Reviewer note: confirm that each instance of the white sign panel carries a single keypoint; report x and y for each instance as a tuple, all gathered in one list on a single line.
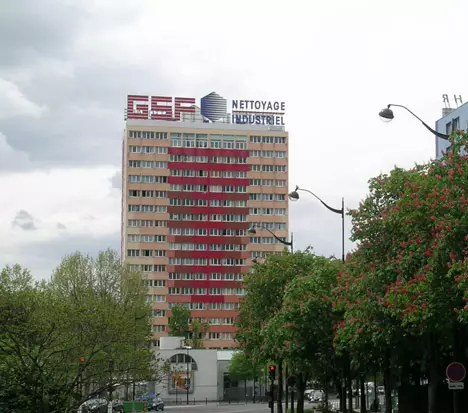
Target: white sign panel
[(456, 385)]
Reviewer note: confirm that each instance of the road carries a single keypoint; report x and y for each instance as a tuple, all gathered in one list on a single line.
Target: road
[(222, 408)]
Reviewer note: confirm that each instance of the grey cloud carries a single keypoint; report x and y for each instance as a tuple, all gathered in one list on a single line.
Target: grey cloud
[(42, 258), (61, 226), (30, 29), (24, 220), (84, 121), (116, 180)]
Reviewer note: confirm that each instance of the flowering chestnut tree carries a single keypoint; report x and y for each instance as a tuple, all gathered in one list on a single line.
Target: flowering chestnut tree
[(407, 281)]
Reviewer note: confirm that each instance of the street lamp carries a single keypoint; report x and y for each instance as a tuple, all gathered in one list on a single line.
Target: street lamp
[(294, 196), (253, 231), (386, 115), (187, 376)]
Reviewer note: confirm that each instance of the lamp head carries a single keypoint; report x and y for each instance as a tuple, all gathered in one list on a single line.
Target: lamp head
[(252, 230), (386, 115), (294, 195)]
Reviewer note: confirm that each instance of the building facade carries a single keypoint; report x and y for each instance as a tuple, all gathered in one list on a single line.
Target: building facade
[(191, 190), (452, 119)]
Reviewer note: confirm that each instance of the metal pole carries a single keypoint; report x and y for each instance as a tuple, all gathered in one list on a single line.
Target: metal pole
[(187, 379), (342, 230)]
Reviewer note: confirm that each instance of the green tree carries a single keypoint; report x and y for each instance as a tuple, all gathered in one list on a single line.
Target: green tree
[(74, 336), (243, 367), (179, 321), (301, 332), (198, 330), (402, 290)]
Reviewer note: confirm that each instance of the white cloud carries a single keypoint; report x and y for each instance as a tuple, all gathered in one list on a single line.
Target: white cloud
[(13, 103), (62, 203), (336, 64)]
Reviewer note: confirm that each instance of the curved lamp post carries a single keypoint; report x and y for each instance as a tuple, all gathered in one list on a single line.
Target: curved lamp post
[(294, 196), (386, 115), (253, 231)]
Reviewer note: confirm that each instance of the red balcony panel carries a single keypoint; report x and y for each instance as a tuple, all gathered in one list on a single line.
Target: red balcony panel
[(207, 254), (207, 210), (186, 180), (178, 298), (237, 153), (207, 299), (222, 328), (203, 284), (208, 239), (208, 224), (208, 195), (208, 269), (209, 166)]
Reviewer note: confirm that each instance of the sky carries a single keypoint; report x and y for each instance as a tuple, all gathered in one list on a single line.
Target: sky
[(66, 67)]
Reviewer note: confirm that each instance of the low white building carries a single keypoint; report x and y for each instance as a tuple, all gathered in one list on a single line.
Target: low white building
[(204, 373)]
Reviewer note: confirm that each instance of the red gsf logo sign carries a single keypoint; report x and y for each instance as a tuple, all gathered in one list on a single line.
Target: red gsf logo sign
[(158, 107)]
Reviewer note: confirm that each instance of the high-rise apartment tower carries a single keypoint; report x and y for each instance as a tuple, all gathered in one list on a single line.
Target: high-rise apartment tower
[(192, 188)]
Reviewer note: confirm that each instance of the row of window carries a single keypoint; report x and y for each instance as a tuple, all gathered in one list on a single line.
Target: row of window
[(272, 226), (191, 173), (147, 179), (189, 202), (208, 336), (267, 211), (133, 134), (265, 240), (267, 197), (212, 188), (201, 141), (205, 291), (268, 168), (218, 232), (160, 209), (268, 139), (268, 154), (230, 262), (190, 246), (207, 306), (204, 276), (147, 238), (160, 150), (147, 164), (148, 253), (186, 137), (137, 193), (269, 182), (212, 217), (149, 223)]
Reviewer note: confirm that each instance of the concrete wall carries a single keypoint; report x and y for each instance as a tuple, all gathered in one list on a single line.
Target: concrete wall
[(205, 376)]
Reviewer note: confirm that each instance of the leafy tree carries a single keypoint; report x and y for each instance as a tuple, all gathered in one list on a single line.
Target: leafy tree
[(301, 332), (179, 321), (198, 330), (404, 287), (74, 336), (243, 367)]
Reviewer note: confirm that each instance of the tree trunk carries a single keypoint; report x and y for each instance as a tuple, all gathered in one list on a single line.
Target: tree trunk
[(286, 388), (363, 394), (456, 357), (280, 387), (254, 391), (350, 388), (388, 388), (301, 387), (433, 376), (326, 392)]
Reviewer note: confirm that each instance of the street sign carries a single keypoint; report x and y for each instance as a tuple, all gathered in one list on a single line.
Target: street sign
[(457, 385), (455, 372)]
